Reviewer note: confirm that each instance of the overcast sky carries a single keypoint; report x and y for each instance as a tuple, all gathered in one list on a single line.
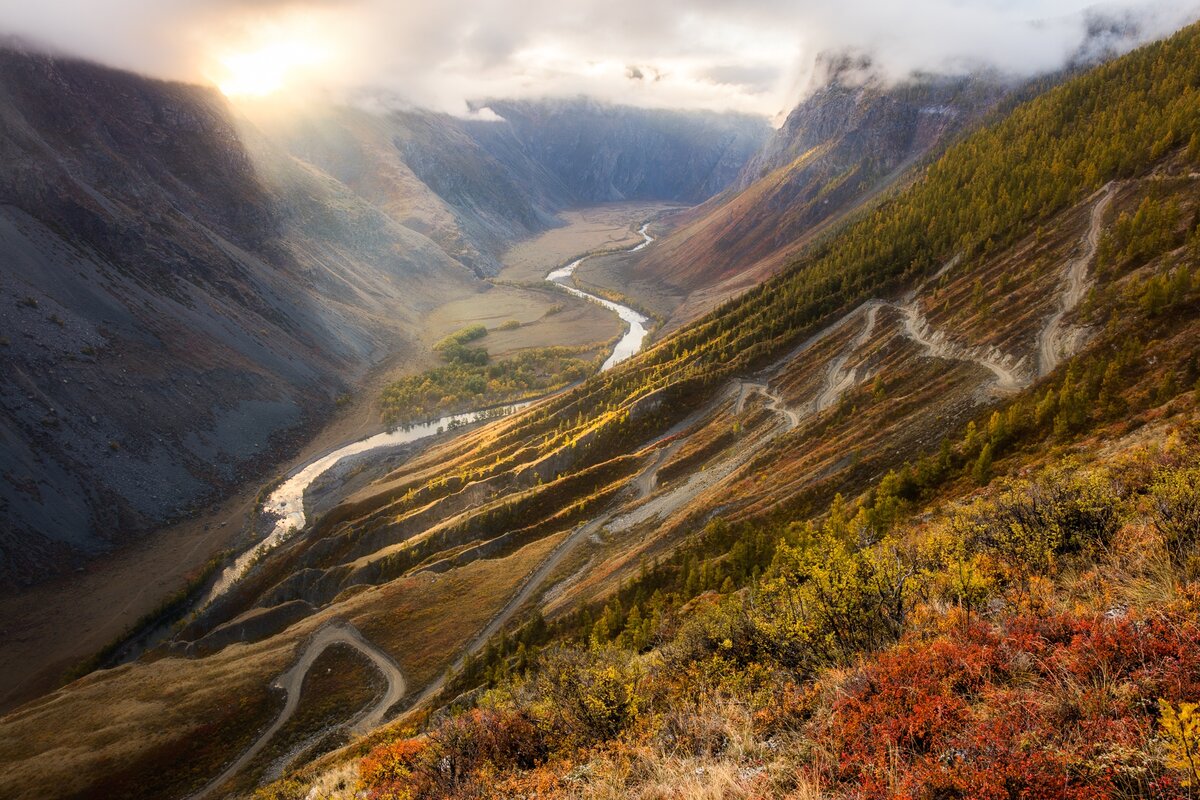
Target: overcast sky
[(747, 55)]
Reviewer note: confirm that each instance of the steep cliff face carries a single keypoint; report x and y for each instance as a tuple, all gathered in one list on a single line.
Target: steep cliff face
[(847, 142), (603, 153), (169, 305)]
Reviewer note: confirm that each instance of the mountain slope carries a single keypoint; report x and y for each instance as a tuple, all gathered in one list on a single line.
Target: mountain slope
[(604, 153), (425, 171), (850, 140), (167, 309)]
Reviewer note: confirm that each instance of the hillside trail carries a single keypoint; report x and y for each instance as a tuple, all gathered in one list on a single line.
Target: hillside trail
[(774, 402), (938, 345), (676, 497), (647, 481), (644, 484), (532, 582), (1053, 340), (838, 380), (292, 682)]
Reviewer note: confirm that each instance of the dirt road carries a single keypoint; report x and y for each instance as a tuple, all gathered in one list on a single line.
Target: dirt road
[(1053, 341), (837, 379), (917, 328), (292, 681)]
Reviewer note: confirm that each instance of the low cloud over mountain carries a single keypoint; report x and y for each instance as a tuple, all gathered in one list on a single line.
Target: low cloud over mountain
[(753, 56)]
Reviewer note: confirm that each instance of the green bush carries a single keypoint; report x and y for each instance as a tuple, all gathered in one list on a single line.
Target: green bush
[(1175, 498), (586, 696), (824, 602)]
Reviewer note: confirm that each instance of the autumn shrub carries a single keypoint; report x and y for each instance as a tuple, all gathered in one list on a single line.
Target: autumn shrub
[(1030, 525), (457, 754), (1047, 707), (959, 576), (583, 696), (789, 711), (1176, 513), (389, 772), (713, 629), (1181, 729), (462, 745), (1085, 506), (825, 602)]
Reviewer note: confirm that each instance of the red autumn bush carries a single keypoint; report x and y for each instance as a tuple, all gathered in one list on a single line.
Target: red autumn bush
[(1059, 707), (387, 771), (451, 759), (501, 739)]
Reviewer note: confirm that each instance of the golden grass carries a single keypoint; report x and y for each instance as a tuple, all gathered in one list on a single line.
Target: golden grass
[(741, 764), (148, 716), (424, 620)]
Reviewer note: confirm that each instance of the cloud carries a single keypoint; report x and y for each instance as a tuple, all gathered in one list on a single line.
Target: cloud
[(753, 55), (755, 79)]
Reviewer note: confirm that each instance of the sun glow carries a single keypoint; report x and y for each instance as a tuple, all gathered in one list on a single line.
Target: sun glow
[(273, 61)]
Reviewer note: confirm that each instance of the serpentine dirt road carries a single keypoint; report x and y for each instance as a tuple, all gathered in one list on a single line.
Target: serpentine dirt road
[(836, 382), (644, 483), (937, 345), (837, 379), (292, 681), (1052, 340), (530, 585)]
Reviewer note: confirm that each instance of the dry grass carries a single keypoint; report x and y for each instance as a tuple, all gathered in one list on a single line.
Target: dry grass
[(578, 324), (338, 783), (716, 755), (173, 721), (425, 619)]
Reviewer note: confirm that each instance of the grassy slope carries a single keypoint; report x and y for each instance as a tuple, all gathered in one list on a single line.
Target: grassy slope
[(950, 657)]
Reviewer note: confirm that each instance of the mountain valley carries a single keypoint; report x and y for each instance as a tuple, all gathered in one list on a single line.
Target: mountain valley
[(897, 497)]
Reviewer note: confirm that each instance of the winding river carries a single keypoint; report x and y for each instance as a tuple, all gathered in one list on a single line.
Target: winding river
[(286, 503), (635, 335)]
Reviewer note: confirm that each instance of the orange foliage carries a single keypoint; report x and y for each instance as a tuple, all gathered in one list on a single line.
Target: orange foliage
[(1059, 708)]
